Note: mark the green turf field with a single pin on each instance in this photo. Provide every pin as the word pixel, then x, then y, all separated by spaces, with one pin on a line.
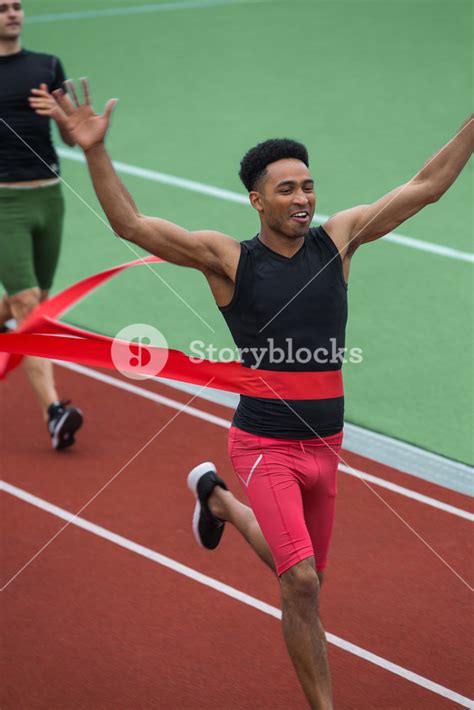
pixel 373 89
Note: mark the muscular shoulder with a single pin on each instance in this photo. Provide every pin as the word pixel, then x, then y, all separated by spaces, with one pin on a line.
pixel 344 228
pixel 225 251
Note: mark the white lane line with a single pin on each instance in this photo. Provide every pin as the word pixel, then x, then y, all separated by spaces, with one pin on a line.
pixel 433 502
pixel 153 396
pixel 226 589
pixel 138 10
pixel 439 249
pixel 225 423
pixel 230 196
pixel 164 178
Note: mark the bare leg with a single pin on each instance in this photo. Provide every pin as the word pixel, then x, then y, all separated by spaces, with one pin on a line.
pixel 304 633
pixel 38 370
pixel 300 586
pixel 226 506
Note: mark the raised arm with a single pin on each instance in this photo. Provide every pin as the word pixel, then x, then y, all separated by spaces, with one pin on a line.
pixel 210 252
pixel 358 225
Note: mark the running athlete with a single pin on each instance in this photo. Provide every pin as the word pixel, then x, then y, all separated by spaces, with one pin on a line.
pixel 286 286
pixel 31 202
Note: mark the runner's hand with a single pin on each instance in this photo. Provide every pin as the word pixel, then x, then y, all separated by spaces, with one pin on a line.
pixel 43 103
pixel 85 127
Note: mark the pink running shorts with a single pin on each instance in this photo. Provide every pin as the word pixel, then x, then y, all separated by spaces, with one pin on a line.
pixel 291 487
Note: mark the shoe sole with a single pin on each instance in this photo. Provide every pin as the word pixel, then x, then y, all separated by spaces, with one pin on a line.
pixel 67 426
pixel 193 480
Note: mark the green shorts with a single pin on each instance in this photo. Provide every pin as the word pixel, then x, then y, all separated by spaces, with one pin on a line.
pixel 31 221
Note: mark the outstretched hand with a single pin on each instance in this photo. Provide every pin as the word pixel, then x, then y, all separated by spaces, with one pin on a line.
pixel 85 127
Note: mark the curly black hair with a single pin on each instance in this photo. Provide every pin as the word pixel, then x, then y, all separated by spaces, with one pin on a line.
pixel 255 161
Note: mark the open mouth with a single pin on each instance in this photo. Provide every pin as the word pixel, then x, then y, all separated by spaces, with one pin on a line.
pixel 300 217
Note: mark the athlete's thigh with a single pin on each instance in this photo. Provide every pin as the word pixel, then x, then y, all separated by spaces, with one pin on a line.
pixel 319 503
pixel 274 494
pixel 17 271
pixel 48 234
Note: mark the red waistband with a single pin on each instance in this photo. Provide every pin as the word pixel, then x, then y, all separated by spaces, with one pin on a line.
pixel 314 441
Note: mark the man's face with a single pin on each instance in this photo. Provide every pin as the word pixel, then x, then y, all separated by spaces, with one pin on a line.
pixel 285 197
pixel 11 20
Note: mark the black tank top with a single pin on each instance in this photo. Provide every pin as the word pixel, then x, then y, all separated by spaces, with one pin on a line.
pixel 289 314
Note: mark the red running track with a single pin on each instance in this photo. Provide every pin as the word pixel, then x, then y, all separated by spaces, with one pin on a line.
pixel 91 625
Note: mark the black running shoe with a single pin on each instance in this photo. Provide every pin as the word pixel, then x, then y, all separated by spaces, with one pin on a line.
pixel 63 422
pixel 207 528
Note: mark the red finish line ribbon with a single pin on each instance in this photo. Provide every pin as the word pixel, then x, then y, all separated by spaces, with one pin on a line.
pixel 43 335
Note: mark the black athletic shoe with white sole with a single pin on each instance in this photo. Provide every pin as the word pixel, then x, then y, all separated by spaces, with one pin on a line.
pixel 207 528
pixel 63 422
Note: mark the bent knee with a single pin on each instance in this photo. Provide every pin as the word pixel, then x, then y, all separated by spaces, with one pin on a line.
pixel 23 302
pixel 301 580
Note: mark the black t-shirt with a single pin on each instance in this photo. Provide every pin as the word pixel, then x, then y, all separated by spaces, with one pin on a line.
pixel 19 73
pixel 291 313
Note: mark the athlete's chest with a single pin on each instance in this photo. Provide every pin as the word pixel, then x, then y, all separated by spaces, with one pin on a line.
pixel 16 82
pixel 307 286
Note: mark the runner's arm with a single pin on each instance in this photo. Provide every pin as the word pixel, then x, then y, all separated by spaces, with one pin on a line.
pixel 211 252
pixel 353 227
pixel 208 251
